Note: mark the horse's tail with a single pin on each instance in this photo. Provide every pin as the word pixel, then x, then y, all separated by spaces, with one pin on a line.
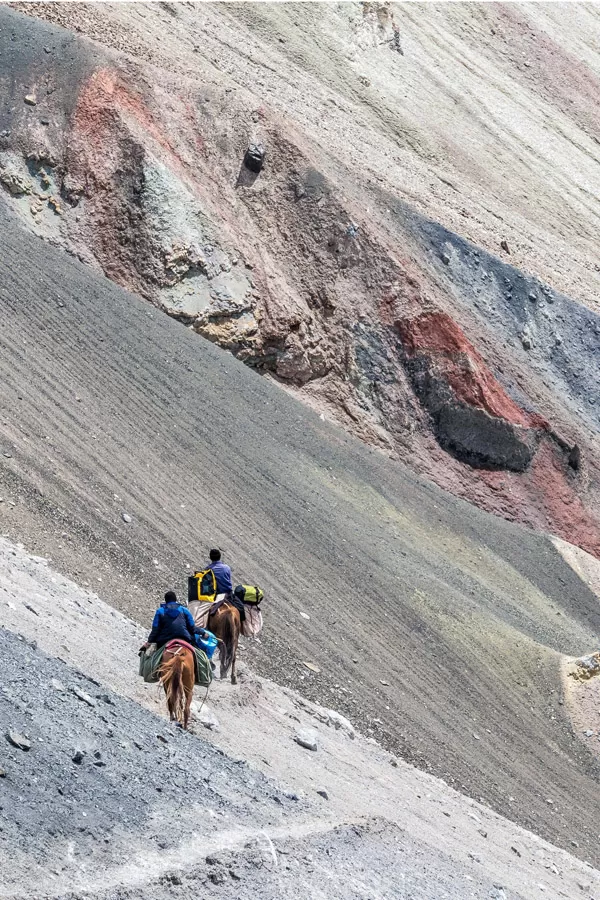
pixel 170 675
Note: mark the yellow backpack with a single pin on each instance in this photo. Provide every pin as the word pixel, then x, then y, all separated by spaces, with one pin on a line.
pixel 202 586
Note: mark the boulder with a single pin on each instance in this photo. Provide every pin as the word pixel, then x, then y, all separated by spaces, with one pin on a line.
pixel 307 738
pixel 254 158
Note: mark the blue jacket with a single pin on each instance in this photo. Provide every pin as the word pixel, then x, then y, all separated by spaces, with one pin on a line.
pixel 172 620
pixel 222 577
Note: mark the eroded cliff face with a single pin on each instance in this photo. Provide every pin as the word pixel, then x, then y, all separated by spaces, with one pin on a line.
pixel 479 376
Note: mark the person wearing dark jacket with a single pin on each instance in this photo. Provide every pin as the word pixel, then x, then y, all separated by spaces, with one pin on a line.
pixel 171 621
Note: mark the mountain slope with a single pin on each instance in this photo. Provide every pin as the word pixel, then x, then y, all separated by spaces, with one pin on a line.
pixel 346 269
pixel 457 619
pixel 236 810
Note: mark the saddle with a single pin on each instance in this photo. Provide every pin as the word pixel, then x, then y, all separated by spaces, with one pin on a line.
pixel 179 642
pixel 201 612
pixel 150 662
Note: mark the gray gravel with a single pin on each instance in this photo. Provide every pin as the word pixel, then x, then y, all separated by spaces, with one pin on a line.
pixel 114 802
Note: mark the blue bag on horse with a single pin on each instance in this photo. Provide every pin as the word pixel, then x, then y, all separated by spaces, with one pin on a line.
pixel 208 642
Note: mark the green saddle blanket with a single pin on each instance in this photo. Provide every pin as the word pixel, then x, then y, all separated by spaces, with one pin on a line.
pixel 150 664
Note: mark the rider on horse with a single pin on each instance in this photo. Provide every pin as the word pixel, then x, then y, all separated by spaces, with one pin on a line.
pixel 222 573
pixel 173 621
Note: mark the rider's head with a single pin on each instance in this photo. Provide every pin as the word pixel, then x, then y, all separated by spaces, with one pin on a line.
pixel 170 597
pixel 215 555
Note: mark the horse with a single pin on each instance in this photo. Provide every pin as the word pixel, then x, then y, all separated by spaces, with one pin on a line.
pixel 226 625
pixel 177 676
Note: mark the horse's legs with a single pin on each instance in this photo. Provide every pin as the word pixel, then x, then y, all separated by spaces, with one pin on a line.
pixel 233 659
pixel 188 703
pixel 223 659
pixel 170 706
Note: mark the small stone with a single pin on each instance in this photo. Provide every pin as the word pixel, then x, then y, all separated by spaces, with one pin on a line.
pixel 126 517
pixel 445 258
pixel 385 683
pixel 533 296
pixel 504 245
pixel 78 757
pixel 323 794
pixel 8 454
pixel 394 763
pixel 312 667
pixel 589 733
pixel 57 685
pixel 31 609
pixel 307 738
pixel 83 696
pixel 30 100
pixel 18 740
pixel 2 773
pixel 207 718
pixel 235 875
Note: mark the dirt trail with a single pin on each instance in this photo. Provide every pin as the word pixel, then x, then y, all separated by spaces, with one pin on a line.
pixel 408 833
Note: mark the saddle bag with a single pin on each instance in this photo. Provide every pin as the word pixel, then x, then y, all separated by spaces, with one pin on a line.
pixel 202 587
pixel 249 594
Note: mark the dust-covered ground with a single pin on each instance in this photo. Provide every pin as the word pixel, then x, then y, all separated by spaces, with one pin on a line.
pixel 111 801
pixel 449 652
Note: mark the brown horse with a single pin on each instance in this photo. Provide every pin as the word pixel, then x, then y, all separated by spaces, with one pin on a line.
pixel 225 624
pixel 177 676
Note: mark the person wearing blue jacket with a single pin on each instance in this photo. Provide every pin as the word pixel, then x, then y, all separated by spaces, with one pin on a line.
pixel 172 620
pixel 222 573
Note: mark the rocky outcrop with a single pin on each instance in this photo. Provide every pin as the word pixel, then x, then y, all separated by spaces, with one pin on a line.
pixel 307 269
pixel 473 417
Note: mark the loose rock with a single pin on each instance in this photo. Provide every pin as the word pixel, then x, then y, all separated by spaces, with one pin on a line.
pixel 207 718
pixel 254 158
pixel 18 740
pixel 83 696
pixel 307 738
